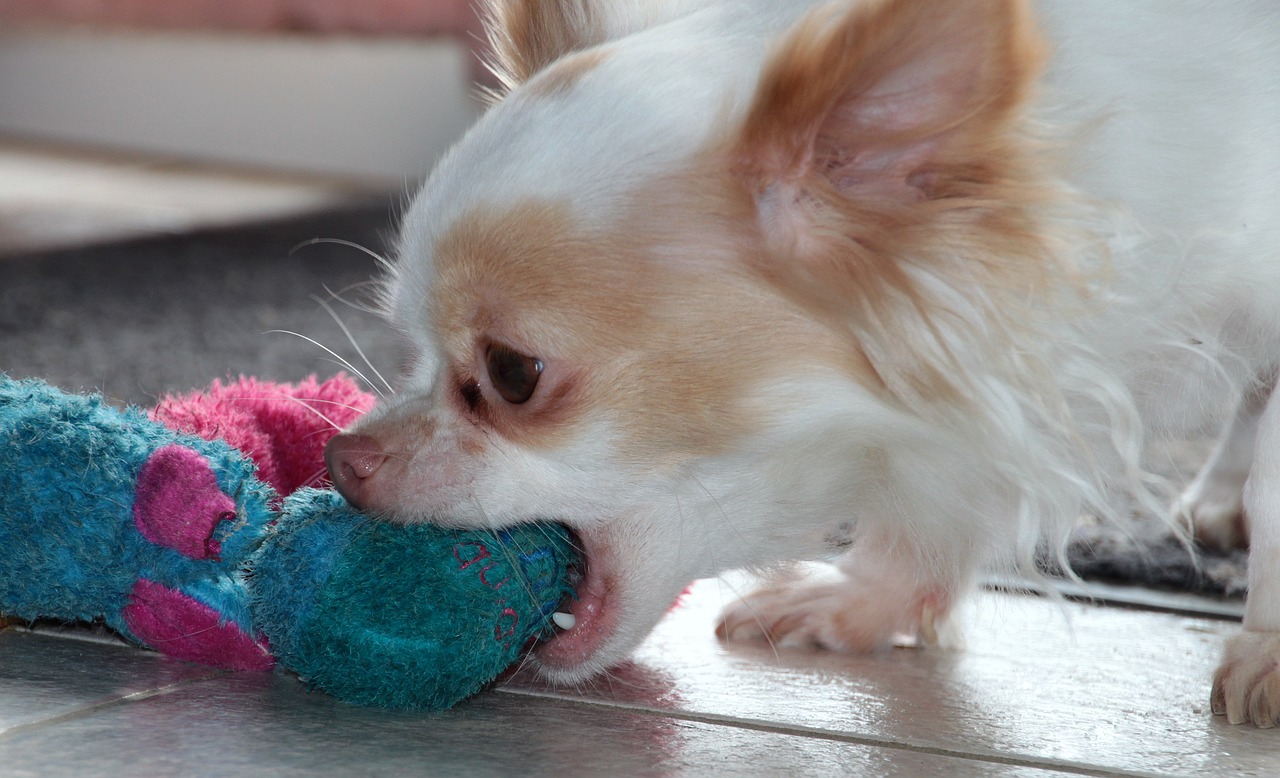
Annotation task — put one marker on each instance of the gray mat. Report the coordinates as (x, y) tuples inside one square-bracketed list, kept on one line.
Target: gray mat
[(138, 319), (1146, 552)]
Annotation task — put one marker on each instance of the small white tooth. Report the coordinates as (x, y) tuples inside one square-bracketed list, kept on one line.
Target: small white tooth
[(565, 621)]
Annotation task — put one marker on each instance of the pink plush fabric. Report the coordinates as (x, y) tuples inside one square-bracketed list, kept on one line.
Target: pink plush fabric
[(396, 17), (185, 628), (179, 504), (283, 428)]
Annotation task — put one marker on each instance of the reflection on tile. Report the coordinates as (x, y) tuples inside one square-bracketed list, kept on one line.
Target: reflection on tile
[(1056, 684), (246, 724), (1041, 688), (44, 677)]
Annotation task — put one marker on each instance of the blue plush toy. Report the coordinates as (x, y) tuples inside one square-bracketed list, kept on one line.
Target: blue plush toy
[(174, 542)]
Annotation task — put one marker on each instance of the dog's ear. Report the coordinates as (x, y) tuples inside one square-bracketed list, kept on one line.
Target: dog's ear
[(527, 35), (883, 105)]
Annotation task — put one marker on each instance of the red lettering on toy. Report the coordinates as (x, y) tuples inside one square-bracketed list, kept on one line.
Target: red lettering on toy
[(469, 554), (482, 552), (485, 580), (511, 620)]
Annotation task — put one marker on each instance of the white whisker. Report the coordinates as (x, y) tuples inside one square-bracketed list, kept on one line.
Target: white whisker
[(315, 412), (340, 242), (335, 403), (351, 338), (363, 308), (341, 361)]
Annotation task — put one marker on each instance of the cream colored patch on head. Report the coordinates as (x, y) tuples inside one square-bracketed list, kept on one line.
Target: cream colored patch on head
[(639, 329), (524, 274)]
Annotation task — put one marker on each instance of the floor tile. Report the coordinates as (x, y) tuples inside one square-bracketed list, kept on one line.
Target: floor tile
[(1053, 683), (1139, 597), (45, 677), (266, 724), (1042, 688)]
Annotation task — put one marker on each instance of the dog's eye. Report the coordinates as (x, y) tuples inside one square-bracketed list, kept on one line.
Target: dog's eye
[(513, 375)]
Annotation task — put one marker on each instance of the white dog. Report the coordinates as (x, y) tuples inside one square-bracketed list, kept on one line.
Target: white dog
[(725, 283)]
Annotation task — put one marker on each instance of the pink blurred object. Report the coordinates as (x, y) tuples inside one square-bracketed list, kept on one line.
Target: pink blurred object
[(283, 428), (394, 17)]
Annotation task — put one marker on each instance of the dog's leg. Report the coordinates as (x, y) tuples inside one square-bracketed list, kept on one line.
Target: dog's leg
[(877, 595), (1212, 504), (1246, 687)]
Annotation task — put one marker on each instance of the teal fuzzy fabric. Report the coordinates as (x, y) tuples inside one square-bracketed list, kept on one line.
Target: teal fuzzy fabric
[(410, 616), (373, 613), (69, 550)]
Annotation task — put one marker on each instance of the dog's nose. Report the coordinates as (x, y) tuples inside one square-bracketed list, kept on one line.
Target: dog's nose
[(352, 461)]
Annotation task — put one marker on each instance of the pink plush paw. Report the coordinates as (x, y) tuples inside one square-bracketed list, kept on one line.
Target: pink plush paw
[(178, 503), (184, 628)]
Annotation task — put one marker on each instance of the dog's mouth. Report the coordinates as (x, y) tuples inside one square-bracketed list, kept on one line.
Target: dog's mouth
[(585, 620)]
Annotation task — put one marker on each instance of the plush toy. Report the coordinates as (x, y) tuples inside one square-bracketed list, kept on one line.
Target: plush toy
[(176, 542)]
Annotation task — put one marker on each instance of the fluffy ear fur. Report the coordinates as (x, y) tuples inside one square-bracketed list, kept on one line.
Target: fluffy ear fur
[(885, 99), (527, 35), (885, 136)]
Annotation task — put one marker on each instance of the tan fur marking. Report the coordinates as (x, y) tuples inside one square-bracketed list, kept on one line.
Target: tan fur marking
[(704, 211), (835, 51), (517, 276), (563, 75), (964, 211)]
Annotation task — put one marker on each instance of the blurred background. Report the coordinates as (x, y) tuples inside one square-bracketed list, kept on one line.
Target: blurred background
[(171, 172)]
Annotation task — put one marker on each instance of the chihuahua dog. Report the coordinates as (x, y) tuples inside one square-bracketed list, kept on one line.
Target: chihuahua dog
[(726, 283)]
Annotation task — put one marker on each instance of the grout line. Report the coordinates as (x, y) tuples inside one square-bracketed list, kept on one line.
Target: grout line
[(1043, 763), (62, 631), (1121, 596), (95, 708)]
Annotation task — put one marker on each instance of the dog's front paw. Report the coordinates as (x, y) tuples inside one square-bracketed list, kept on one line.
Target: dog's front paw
[(836, 615), (1246, 687)]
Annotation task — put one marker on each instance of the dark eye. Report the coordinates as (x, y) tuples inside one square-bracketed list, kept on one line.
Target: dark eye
[(513, 375)]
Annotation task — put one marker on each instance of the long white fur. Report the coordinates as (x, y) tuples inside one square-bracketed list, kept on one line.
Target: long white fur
[(1177, 101)]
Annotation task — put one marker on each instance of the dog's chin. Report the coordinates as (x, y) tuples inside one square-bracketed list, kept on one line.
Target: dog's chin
[(619, 600)]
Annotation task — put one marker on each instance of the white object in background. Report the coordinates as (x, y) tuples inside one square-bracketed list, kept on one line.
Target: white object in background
[(367, 107)]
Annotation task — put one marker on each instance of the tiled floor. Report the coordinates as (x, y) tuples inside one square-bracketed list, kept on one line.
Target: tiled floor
[(1042, 688)]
